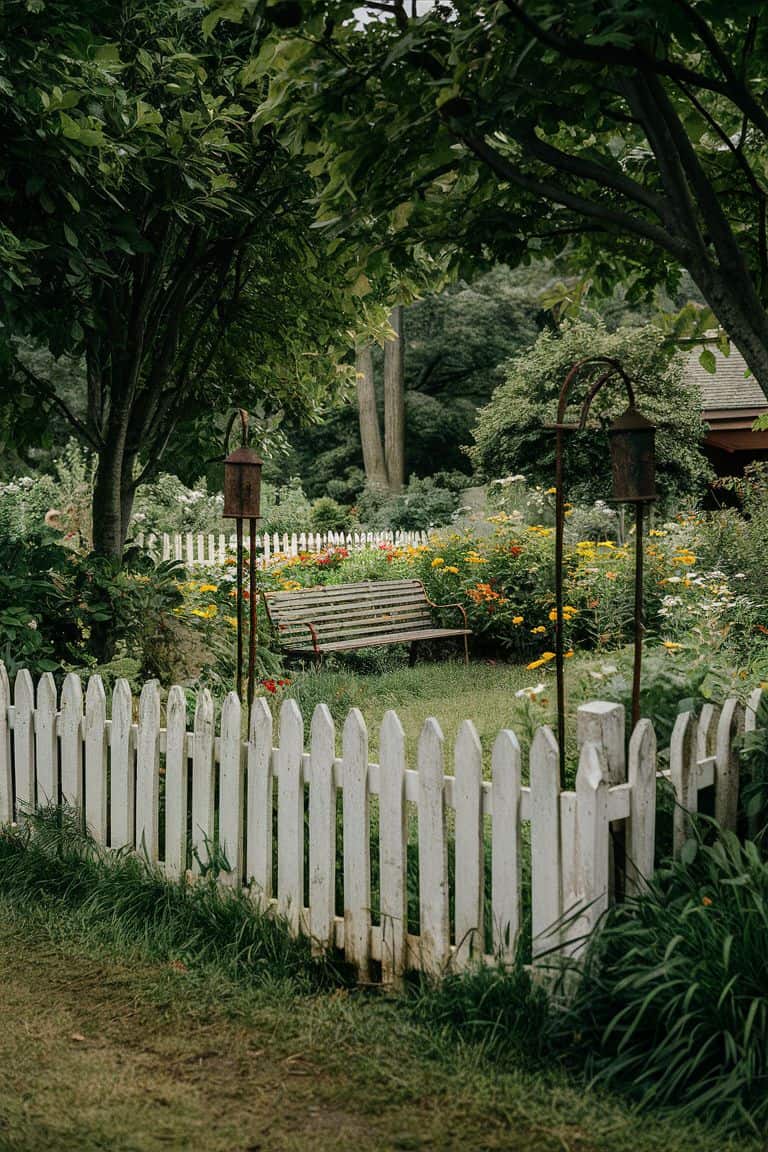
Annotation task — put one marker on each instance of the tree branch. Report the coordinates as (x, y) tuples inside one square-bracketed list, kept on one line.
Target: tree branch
[(609, 217), (49, 392)]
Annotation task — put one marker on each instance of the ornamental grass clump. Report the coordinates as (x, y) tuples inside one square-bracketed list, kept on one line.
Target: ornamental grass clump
[(671, 1005)]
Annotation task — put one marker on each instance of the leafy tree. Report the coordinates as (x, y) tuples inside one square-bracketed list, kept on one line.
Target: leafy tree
[(631, 133), (161, 237), (511, 436)]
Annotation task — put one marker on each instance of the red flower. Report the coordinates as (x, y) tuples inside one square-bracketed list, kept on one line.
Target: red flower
[(283, 683), (515, 550), (270, 685)]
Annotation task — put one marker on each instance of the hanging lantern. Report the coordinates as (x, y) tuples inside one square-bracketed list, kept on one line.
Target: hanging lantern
[(633, 458), (242, 484)]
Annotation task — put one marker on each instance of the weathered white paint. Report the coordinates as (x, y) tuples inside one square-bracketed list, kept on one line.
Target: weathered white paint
[(96, 759), (122, 798), (148, 771), (231, 785), (322, 828), (357, 843)]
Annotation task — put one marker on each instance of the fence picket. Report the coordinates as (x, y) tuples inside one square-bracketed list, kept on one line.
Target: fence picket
[(46, 743), (258, 826), (176, 782), (730, 729), (593, 833), (546, 866), (754, 819), (357, 843), (682, 775), (122, 799), (6, 763), (96, 759), (641, 826), (148, 771), (203, 783), (71, 730), (469, 844), (322, 828), (433, 851), (231, 785), (290, 815), (505, 867), (393, 849), (24, 743)]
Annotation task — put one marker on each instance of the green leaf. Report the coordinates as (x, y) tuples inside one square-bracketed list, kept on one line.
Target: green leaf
[(708, 361), (72, 239)]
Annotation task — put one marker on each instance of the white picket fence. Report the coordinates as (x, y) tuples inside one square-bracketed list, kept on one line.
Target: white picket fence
[(201, 548), (270, 809)]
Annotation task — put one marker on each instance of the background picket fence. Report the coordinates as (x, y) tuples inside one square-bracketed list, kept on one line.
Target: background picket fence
[(208, 548), (268, 807)]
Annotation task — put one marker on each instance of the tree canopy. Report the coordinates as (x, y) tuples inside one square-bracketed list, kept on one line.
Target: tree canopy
[(629, 133), (164, 262)]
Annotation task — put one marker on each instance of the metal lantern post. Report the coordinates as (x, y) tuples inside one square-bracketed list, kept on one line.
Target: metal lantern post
[(242, 501), (633, 465)]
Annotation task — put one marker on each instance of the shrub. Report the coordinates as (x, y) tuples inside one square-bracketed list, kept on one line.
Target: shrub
[(424, 503), (329, 516), (671, 1006)]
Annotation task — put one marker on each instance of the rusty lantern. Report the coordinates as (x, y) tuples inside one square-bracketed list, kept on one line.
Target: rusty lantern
[(633, 458), (242, 484)]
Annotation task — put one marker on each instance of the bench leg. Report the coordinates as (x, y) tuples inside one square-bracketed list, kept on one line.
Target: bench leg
[(466, 650), (412, 652)]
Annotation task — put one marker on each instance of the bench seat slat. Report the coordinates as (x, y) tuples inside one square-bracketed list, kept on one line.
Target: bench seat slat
[(318, 612), (362, 589), (356, 618), (333, 634), (394, 638)]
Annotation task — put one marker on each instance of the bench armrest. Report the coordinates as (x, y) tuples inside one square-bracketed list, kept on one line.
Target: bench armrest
[(460, 607), (313, 633)]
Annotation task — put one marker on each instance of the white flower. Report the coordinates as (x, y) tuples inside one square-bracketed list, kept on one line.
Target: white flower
[(32, 624), (530, 692), (608, 669)]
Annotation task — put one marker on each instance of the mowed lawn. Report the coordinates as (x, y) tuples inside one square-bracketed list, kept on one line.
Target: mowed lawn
[(101, 1049)]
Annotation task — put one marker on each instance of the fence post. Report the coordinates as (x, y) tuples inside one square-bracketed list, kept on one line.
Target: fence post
[(433, 851), (357, 843), (750, 723), (641, 826), (469, 843), (546, 863), (322, 829), (393, 850), (505, 863), (602, 723)]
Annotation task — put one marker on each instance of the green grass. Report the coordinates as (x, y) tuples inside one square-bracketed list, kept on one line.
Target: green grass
[(448, 690), (139, 1015)]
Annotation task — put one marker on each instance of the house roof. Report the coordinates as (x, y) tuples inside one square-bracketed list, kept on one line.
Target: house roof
[(728, 386)]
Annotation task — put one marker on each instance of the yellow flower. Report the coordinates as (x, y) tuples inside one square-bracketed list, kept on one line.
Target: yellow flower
[(231, 620), (438, 560), (538, 630), (567, 655), (517, 619), (534, 664), (671, 645), (551, 491), (547, 656), (452, 570)]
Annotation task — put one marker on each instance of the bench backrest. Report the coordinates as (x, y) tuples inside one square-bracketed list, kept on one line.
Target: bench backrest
[(348, 611)]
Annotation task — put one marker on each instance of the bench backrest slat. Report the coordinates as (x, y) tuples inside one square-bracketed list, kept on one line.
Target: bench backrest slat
[(348, 611)]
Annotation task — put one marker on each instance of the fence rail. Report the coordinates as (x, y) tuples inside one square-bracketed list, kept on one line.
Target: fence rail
[(331, 839), (208, 548)]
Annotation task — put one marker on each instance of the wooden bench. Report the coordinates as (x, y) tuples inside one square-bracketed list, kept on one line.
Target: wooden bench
[(343, 617)]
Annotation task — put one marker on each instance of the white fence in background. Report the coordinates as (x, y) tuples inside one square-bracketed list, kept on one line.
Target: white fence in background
[(269, 806), (209, 548)]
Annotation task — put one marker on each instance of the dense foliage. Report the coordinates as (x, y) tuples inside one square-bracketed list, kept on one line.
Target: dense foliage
[(511, 431)]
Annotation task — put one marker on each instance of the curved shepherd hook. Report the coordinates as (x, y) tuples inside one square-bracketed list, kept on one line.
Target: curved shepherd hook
[(615, 368)]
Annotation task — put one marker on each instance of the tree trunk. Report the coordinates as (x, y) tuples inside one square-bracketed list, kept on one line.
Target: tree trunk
[(107, 505), (394, 403), (370, 434)]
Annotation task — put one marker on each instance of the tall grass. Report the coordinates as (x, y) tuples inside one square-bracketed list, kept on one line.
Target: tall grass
[(51, 860), (672, 1003)]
